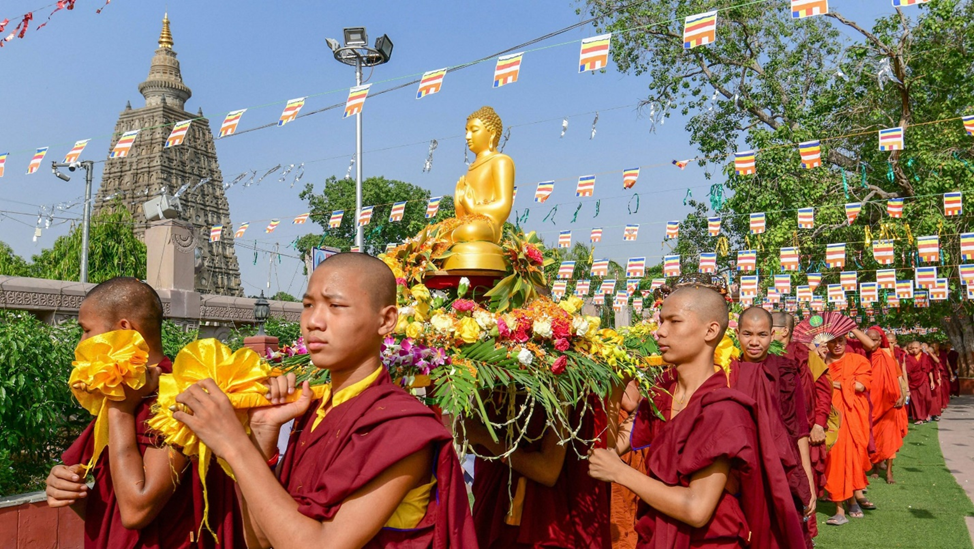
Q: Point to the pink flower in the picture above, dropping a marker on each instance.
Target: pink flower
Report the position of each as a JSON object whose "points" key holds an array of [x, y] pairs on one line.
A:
{"points": [[464, 305], [502, 328], [558, 367], [401, 281], [561, 344], [522, 333], [533, 254]]}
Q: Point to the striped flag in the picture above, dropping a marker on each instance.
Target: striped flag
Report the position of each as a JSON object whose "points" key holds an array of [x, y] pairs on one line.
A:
{"points": [[804, 293], [894, 207], [241, 230], [807, 8], [272, 225], [35, 163], [883, 251], [744, 163], [806, 218], [630, 232], [929, 248], [596, 235], [868, 292], [886, 278], [356, 100], [920, 301], [892, 300], [700, 29], [818, 304], [291, 110], [3, 162], [585, 186], [433, 206], [637, 305], [966, 274], [681, 163], [545, 188], [178, 135], [398, 209], [582, 287], [953, 204], [658, 283], [595, 53], [970, 291], [904, 289], [852, 210], [507, 69], [365, 216], [558, 289], [124, 144], [672, 229], [713, 226], [430, 83], [967, 246], [229, 126], [925, 276], [620, 302], [514, 194], [708, 262], [811, 153], [671, 265], [836, 293], [301, 219], [902, 3], [757, 223], [747, 260], [891, 139], [629, 178], [749, 286], [782, 283], [835, 255], [355, 249], [789, 259], [215, 232], [600, 267], [631, 286], [814, 279], [773, 296], [939, 290], [848, 280], [608, 286], [75, 153], [968, 124], [335, 220], [598, 299], [565, 239], [636, 267]]}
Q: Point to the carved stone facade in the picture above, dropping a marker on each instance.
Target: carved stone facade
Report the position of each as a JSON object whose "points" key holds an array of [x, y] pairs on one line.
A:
{"points": [[150, 167]]}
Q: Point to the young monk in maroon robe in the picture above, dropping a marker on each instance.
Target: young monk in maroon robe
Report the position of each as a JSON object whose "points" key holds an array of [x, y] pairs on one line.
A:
{"points": [[919, 369], [715, 478], [902, 413], [848, 459], [137, 500], [953, 363], [886, 400], [367, 465], [939, 356]]}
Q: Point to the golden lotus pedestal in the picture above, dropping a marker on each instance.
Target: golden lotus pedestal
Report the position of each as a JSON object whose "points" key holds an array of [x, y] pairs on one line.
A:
{"points": [[479, 256], [481, 281]]}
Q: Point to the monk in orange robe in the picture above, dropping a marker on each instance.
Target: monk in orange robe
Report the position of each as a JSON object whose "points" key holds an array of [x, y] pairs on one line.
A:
{"points": [[848, 459], [886, 399]]}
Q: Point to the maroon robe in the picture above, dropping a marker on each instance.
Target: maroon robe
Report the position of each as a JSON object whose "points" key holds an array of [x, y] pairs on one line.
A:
{"points": [[918, 370], [717, 422], [944, 388], [818, 404], [178, 524], [358, 440], [953, 358]]}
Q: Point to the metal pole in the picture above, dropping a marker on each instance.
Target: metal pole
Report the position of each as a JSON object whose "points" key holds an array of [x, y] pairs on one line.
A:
{"points": [[359, 230], [89, 166]]}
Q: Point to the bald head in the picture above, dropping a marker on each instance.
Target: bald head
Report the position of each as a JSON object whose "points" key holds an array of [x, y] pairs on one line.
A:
{"points": [[757, 314], [374, 277], [129, 299], [705, 303], [783, 320]]}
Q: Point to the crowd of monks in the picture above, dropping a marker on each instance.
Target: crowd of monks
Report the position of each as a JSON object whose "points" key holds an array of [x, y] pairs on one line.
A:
{"points": [[734, 454]]}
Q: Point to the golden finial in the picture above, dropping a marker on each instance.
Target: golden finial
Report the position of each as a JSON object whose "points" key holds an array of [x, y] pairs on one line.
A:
{"points": [[165, 38]]}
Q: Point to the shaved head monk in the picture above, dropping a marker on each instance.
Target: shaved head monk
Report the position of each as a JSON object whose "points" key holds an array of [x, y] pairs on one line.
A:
{"points": [[889, 425], [715, 478], [367, 465], [920, 372], [137, 500]]}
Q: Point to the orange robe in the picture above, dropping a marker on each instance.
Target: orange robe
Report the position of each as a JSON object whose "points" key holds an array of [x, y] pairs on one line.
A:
{"points": [[884, 392], [622, 510], [848, 459]]}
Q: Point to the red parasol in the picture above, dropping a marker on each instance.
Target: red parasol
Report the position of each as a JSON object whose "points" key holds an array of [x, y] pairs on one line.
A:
{"points": [[823, 327]]}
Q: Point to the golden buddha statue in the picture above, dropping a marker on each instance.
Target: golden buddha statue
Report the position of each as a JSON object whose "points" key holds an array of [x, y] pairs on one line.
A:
{"points": [[486, 192]]}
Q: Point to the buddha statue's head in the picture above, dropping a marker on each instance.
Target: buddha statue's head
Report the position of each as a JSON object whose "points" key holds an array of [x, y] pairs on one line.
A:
{"points": [[484, 130]]}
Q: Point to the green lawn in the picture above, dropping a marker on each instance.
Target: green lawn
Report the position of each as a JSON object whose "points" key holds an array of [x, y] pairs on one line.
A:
{"points": [[925, 508]]}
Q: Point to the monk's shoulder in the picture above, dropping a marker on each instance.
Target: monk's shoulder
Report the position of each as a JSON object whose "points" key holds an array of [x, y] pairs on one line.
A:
{"points": [[727, 406], [392, 406]]}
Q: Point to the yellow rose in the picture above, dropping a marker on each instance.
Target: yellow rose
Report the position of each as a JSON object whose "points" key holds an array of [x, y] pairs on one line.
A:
{"points": [[421, 293], [401, 324], [393, 266], [468, 330], [725, 352], [571, 305], [414, 330], [421, 311], [593, 327]]}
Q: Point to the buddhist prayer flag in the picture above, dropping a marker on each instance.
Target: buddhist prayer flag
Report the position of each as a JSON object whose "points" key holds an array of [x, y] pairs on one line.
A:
{"points": [[806, 218], [681, 163], [757, 223], [608, 286], [365, 216], [229, 126], [636, 267], [848, 280], [868, 292], [241, 230], [939, 290], [631, 286], [3, 162], [672, 229], [893, 300], [35, 162], [657, 283], [836, 293], [811, 153], [904, 289], [215, 233], [782, 283], [968, 124], [600, 267], [178, 134], [891, 139], [566, 269], [596, 235], [883, 251], [926, 276], [929, 248], [789, 259], [852, 210], [886, 278], [582, 287], [814, 279], [545, 188], [807, 8], [272, 225], [598, 299], [894, 207], [700, 29], [773, 295], [637, 305], [433, 206], [565, 239], [124, 144], [835, 255], [595, 53], [671, 265], [507, 69], [902, 3], [336, 219], [920, 301], [967, 246], [630, 232], [629, 178], [621, 301], [744, 163], [355, 249], [585, 186], [970, 291], [430, 83], [818, 304], [558, 288], [953, 204], [708, 262], [291, 110], [301, 219], [966, 273], [749, 286], [804, 293], [747, 260], [713, 226], [356, 100], [75, 153]]}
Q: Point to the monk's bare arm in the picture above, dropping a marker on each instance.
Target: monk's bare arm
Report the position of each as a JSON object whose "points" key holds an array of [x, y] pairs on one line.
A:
{"points": [[868, 344], [542, 466], [806, 456]]}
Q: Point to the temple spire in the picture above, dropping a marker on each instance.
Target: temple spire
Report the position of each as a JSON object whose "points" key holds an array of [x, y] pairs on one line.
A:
{"points": [[165, 37]]}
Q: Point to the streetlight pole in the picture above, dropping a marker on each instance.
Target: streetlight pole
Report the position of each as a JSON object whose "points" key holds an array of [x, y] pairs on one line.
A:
{"points": [[359, 229], [89, 167]]}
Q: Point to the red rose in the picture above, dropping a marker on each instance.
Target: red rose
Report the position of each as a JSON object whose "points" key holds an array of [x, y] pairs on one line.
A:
{"points": [[561, 344], [502, 328], [558, 367], [464, 305], [561, 328], [533, 254], [522, 333]]}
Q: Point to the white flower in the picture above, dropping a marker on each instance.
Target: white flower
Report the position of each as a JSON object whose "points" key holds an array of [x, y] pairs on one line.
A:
{"points": [[406, 311], [442, 324], [580, 325], [542, 327], [525, 357], [484, 319], [439, 294]]}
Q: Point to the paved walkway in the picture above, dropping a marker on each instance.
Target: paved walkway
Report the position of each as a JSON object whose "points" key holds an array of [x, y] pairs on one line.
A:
{"points": [[957, 444]]}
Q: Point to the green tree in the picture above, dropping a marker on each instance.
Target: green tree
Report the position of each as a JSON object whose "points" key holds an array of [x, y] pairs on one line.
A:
{"points": [[284, 296], [12, 264]]}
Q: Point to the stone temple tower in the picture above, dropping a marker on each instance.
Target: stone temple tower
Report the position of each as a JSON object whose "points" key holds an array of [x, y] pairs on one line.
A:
{"points": [[149, 167]]}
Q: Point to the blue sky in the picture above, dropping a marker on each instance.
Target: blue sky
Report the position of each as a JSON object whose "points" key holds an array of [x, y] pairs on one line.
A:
{"points": [[70, 80]]}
